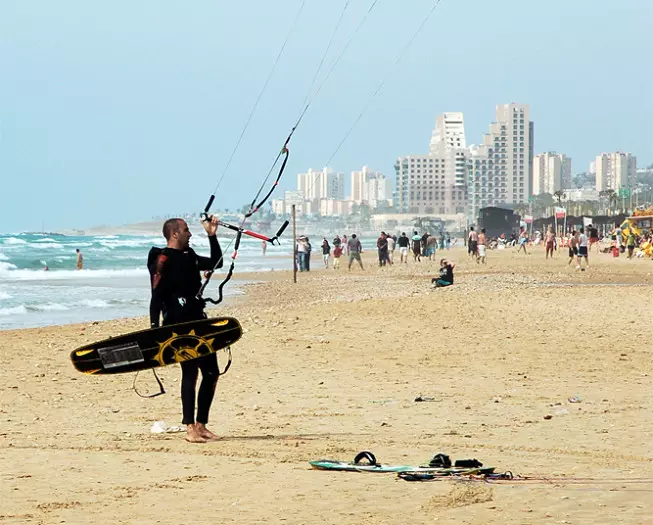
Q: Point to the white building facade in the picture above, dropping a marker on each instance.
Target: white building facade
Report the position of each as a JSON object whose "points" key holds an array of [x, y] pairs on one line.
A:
{"points": [[435, 183], [500, 170], [615, 170], [551, 172]]}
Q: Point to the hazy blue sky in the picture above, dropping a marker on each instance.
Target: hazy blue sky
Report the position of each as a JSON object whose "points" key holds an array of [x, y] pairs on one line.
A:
{"points": [[112, 112]]}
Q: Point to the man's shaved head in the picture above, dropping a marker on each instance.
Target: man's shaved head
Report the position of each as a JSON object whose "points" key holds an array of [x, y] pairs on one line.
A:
{"points": [[171, 226]]}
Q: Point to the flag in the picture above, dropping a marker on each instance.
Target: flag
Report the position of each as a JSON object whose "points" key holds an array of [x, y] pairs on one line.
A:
{"points": [[528, 219], [560, 213]]}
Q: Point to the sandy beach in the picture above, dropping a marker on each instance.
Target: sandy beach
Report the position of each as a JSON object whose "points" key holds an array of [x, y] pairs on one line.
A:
{"points": [[332, 366]]}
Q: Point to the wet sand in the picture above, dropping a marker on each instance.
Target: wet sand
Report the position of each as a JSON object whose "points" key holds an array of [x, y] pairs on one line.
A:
{"points": [[331, 366]]}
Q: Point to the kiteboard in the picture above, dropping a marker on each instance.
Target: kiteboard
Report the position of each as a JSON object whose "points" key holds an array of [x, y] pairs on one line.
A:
{"points": [[370, 465], [157, 347], [327, 464]]}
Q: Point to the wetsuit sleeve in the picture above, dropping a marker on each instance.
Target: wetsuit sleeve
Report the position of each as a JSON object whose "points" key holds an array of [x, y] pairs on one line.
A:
{"points": [[208, 263], [158, 290]]}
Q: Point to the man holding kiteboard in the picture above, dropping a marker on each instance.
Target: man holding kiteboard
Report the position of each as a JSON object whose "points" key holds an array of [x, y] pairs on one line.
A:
{"points": [[175, 279]]}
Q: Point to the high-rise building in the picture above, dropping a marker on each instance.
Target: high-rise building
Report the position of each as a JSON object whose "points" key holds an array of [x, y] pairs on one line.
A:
{"points": [[614, 170], [450, 129], [515, 147], [323, 184], [370, 187], [500, 171], [551, 172], [435, 183], [566, 177]]}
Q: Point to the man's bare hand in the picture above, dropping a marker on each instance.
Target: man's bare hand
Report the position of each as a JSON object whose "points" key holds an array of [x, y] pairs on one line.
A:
{"points": [[211, 225]]}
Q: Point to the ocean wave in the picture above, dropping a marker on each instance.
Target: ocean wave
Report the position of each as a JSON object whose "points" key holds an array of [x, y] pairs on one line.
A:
{"points": [[130, 243], [4, 295], [13, 240], [62, 275], [94, 303], [47, 239], [16, 310], [3, 257], [48, 307], [5, 266]]}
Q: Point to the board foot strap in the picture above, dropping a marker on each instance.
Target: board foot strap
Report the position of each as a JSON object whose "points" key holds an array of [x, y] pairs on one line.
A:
{"points": [[159, 393]]}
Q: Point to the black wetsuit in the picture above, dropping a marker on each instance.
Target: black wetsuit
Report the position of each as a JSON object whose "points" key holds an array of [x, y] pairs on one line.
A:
{"points": [[175, 279]]}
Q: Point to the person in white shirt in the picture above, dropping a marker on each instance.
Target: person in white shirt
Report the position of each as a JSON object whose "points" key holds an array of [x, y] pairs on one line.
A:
{"points": [[583, 248]]}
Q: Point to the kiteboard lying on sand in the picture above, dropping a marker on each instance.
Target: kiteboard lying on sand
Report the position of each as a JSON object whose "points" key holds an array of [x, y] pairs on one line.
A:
{"points": [[372, 466], [157, 347]]}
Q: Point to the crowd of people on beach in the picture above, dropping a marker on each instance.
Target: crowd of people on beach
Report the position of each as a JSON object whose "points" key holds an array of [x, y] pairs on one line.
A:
{"points": [[419, 246]]}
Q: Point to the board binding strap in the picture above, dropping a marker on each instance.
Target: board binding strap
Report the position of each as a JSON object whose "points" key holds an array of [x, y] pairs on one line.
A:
{"points": [[156, 347]]}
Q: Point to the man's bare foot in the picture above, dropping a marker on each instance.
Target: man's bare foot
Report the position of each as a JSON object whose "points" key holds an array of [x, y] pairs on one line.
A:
{"points": [[205, 432], [193, 435]]}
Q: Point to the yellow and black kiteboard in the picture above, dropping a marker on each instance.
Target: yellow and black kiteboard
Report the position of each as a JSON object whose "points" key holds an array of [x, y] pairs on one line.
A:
{"points": [[157, 346]]}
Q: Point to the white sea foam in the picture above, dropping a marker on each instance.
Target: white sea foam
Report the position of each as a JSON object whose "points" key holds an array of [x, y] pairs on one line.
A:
{"points": [[46, 239], [94, 303], [4, 296], [49, 307], [3, 257], [11, 274], [14, 241], [13, 311], [5, 266]]}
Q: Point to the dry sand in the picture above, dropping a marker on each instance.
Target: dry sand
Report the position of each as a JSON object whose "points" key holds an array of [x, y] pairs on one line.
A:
{"points": [[331, 366]]}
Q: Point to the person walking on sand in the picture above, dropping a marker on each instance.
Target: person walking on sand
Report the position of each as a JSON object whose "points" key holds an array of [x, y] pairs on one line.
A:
{"points": [[404, 243], [382, 248], [573, 246], [523, 239], [309, 249], [417, 247], [337, 253], [482, 247], [391, 248], [326, 251], [175, 281], [80, 259], [355, 249], [549, 242], [472, 243], [583, 249]]}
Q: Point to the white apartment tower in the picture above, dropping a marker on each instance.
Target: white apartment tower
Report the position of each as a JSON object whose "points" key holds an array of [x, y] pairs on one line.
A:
{"points": [[371, 187], [435, 183], [614, 170], [450, 129], [500, 171], [323, 184], [551, 172]]}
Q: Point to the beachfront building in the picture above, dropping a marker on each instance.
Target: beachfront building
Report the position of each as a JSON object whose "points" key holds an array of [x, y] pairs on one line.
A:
{"points": [[321, 184], [500, 170], [615, 170], [370, 187], [551, 172], [449, 129], [435, 183]]}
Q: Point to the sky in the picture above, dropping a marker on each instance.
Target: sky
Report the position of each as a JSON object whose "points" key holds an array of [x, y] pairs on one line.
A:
{"points": [[115, 112]]}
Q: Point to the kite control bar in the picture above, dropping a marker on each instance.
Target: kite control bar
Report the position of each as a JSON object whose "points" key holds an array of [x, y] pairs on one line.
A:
{"points": [[205, 217], [271, 240]]}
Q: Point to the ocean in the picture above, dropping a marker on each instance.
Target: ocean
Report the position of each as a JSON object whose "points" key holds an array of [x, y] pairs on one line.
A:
{"points": [[114, 282]]}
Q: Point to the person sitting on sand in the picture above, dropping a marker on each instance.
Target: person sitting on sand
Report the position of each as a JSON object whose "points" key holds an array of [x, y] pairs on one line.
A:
{"points": [[446, 274]]}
